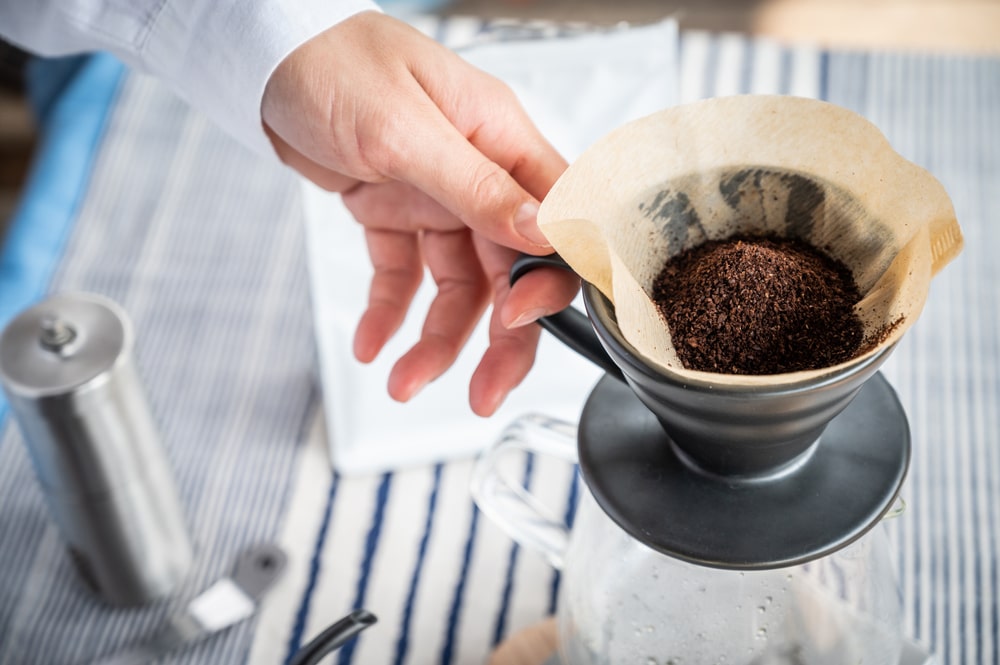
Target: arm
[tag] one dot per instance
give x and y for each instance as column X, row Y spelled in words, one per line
column 216, row 54
column 435, row 158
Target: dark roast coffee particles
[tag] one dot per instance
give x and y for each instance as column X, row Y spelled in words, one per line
column 759, row 305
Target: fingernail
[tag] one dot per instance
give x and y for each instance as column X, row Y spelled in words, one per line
column 526, row 223
column 530, row 316
column 489, row 406
column 404, row 390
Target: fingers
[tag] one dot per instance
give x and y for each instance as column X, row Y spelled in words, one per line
column 504, row 365
column 398, row 273
column 431, row 154
column 449, row 145
column 512, row 348
column 492, row 120
column 539, row 293
column 462, row 296
column 398, row 206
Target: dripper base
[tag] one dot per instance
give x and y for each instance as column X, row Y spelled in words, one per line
column 840, row 491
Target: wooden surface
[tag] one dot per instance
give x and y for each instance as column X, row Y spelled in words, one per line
column 531, row 646
column 971, row 26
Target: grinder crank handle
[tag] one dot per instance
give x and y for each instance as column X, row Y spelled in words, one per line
column 570, row 326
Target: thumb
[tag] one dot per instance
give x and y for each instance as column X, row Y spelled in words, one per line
column 429, row 152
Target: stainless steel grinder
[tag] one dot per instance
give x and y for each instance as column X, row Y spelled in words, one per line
column 67, row 368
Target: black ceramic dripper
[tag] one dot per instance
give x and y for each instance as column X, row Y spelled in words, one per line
column 732, row 476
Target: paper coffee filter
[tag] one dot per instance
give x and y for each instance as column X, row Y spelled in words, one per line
column 756, row 164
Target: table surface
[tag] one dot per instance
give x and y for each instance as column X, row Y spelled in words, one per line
column 202, row 243
column 940, row 25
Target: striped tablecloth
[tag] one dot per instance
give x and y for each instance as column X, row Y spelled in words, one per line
column 139, row 198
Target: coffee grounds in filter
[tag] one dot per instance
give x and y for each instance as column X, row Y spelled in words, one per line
column 759, row 305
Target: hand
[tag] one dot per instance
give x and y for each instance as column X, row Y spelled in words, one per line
column 440, row 164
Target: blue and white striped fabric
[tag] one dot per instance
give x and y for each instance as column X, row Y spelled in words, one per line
column 202, row 244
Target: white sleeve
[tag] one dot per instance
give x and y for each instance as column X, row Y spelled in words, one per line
column 216, row 54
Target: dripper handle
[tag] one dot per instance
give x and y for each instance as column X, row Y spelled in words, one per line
column 570, row 326
column 507, row 502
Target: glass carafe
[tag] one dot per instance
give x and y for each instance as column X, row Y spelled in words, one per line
column 623, row 602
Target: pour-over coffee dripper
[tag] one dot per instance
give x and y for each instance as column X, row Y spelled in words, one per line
column 732, row 476
column 720, row 525
column 729, row 517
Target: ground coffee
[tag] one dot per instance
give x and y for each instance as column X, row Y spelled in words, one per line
column 759, row 305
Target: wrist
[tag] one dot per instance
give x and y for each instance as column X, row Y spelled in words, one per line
column 220, row 55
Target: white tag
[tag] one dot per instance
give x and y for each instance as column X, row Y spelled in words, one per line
column 221, row 605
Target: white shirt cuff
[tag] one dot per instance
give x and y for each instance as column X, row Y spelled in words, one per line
column 219, row 54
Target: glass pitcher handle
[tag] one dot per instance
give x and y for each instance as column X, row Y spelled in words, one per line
column 507, row 502
column 898, row 508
